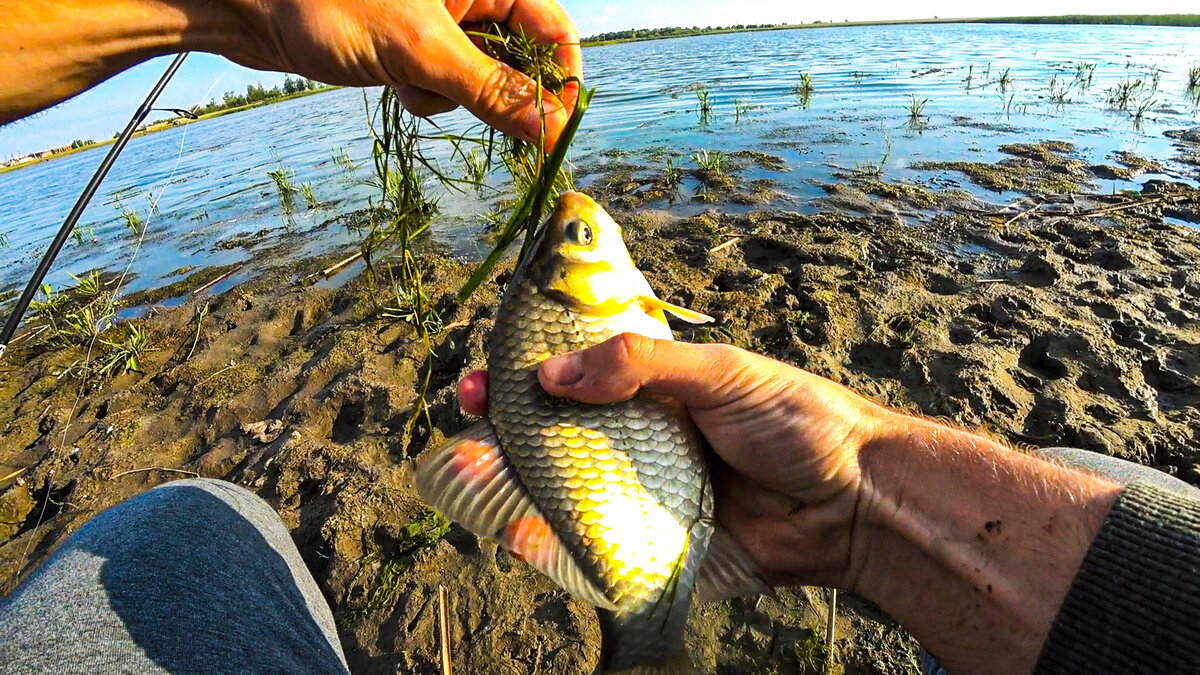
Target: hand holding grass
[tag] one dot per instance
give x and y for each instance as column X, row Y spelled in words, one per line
column 56, row 50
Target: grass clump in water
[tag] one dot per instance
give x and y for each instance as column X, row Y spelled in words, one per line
column 282, row 178
column 706, row 107
column 916, row 111
column 310, row 197
column 1083, row 75
column 711, row 162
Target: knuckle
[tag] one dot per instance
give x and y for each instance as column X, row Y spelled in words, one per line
column 502, row 90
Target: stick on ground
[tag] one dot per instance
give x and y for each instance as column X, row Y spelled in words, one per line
column 444, row 630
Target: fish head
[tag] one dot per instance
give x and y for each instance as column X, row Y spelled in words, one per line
column 583, row 262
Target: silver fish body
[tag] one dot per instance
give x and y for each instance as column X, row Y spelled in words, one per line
column 613, row 501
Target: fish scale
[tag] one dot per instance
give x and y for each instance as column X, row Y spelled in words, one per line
column 644, row 446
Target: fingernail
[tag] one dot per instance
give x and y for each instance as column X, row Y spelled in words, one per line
column 564, row 371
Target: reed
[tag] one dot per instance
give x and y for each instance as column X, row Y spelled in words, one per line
column 282, row 178
column 916, row 110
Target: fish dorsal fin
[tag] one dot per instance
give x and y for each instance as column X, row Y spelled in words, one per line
column 470, row 481
column 727, row 571
column 650, row 304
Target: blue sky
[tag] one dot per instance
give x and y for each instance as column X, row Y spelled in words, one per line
column 104, row 110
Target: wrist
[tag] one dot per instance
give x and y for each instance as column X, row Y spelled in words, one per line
column 955, row 531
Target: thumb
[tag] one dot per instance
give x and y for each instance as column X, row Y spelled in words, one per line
column 702, row 376
column 448, row 63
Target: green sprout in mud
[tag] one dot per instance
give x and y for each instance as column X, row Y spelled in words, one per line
column 672, row 174
column 706, row 107
column 48, row 305
column 916, row 111
column 282, row 178
column 87, row 323
column 874, row 169
column 711, row 162
column 814, row 652
column 88, row 286
column 424, row 531
column 124, row 357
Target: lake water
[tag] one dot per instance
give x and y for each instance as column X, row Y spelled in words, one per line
column 211, row 179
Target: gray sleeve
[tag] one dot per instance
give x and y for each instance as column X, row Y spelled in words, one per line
column 1134, row 606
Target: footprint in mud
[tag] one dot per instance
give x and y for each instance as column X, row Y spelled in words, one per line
column 348, row 423
column 1036, row 358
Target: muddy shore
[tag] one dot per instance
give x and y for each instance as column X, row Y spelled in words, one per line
column 1058, row 320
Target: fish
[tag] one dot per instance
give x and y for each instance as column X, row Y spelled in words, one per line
column 612, row 502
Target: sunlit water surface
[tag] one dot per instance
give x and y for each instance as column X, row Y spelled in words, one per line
column 211, row 184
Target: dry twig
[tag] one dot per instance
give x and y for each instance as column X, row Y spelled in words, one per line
column 336, row 267
column 444, row 630
column 214, row 282
column 722, row 247
column 193, row 474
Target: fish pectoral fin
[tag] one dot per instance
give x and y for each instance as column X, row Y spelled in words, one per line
column 728, row 572
column 650, row 303
column 470, row 481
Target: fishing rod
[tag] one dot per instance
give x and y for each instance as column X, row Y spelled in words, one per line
column 139, row 116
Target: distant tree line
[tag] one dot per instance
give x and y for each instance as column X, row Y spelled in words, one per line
column 674, row 31
column 1116, row 19
column 256, row 93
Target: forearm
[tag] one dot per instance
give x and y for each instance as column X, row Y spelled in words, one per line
column 971, row 546
column 54, row 50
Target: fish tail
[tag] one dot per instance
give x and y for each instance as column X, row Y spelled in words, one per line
column 642, row 645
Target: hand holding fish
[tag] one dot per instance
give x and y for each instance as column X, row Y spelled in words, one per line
column 790, row 441
column 823, row 487
column 53, row 51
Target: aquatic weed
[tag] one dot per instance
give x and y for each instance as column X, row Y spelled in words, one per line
column 916, row 110
column 1058, row 92
column 713, row 162
column 1120, row 94
column 804, row 89
column 310, row 198
column 124, row 357
column 705, row 106
column 1194, row 77
column 1005, row 80
column 970, row 76
column 282, row 178
column 130, row 217
column 1083, row 75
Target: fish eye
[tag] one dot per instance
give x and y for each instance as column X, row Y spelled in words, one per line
column 579, row 233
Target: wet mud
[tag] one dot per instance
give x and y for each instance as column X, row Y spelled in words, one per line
column 1060, row 319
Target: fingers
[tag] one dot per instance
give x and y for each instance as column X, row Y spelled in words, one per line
column 452, row 67
column 423, row 103
column 702, row 376
column 472, row 393
column 546, row 21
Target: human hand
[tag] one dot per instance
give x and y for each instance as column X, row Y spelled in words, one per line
column 789, row 441
column 419, row 47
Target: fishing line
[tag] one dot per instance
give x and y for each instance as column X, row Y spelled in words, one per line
column 136, row 250
column 35, row 282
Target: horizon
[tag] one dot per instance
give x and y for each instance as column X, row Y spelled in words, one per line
column 100, row 112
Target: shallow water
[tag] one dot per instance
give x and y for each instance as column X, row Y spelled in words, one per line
column 212, row 184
